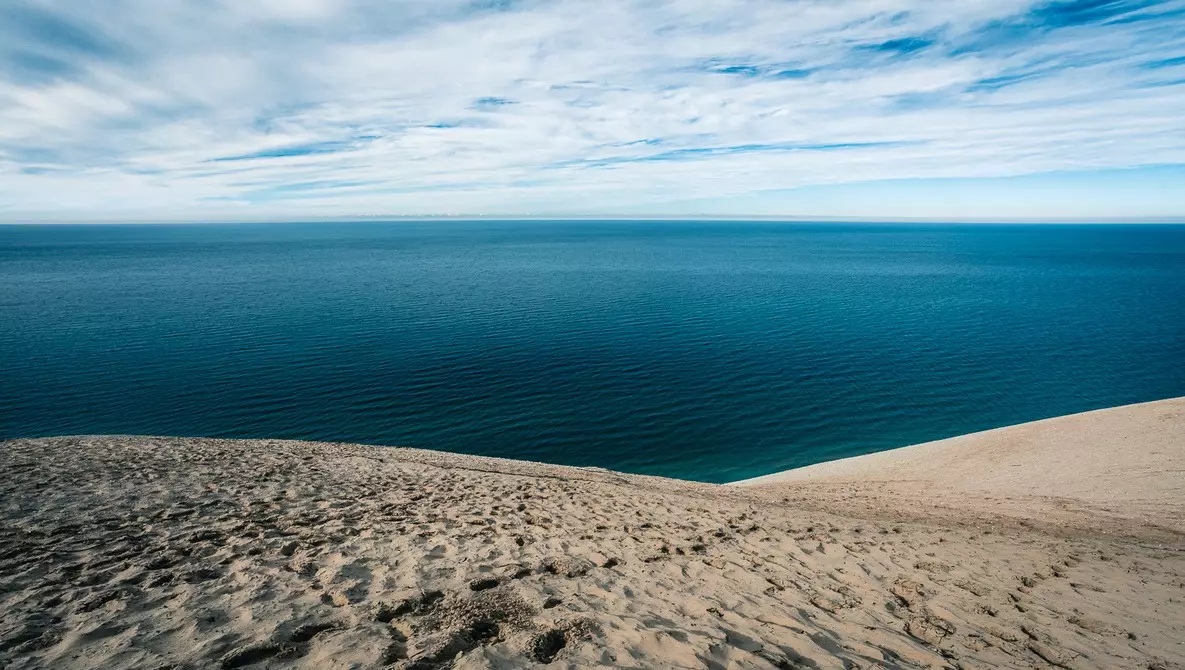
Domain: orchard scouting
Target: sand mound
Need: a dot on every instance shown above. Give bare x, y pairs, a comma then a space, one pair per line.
132, 552
1118, 470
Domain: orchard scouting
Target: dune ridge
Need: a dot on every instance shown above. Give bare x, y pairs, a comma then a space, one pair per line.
1114, 470
147, 552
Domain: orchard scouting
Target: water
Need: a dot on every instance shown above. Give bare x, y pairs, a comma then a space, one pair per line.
709, 351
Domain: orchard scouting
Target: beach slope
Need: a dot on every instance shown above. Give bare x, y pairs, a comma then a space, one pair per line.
1119, 470
141, 552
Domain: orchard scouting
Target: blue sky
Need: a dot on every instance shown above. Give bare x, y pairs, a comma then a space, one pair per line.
283, 109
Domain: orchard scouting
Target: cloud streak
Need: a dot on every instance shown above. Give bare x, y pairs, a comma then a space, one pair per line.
134, 108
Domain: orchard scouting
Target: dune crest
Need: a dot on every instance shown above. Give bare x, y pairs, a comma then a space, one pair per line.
141, 552
1117, 470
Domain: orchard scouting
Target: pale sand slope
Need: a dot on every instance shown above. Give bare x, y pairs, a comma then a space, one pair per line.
1107, 470
133, 552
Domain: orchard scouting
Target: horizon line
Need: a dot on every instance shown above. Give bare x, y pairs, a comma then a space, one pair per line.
492, 218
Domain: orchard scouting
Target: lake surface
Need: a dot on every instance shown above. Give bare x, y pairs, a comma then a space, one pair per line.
709, 351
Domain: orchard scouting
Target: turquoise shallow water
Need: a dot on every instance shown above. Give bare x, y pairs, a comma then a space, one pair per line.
710, 351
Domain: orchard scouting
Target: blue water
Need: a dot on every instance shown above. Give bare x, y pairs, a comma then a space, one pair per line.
709, 351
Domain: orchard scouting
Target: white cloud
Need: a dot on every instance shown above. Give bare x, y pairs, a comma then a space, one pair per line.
138, 108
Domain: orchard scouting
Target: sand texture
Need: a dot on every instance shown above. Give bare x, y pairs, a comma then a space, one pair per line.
1117, 470
139, 552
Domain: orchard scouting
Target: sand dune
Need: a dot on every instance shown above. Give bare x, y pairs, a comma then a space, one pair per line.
138, 552
1119, 470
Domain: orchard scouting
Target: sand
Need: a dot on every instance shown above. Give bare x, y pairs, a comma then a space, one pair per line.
141, 552
1117, 470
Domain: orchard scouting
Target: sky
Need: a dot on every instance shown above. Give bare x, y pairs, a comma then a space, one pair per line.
173, 110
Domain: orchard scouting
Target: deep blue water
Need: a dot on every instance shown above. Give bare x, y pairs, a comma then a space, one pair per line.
711, 351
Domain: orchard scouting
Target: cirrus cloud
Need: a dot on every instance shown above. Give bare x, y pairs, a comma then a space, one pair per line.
137, 108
